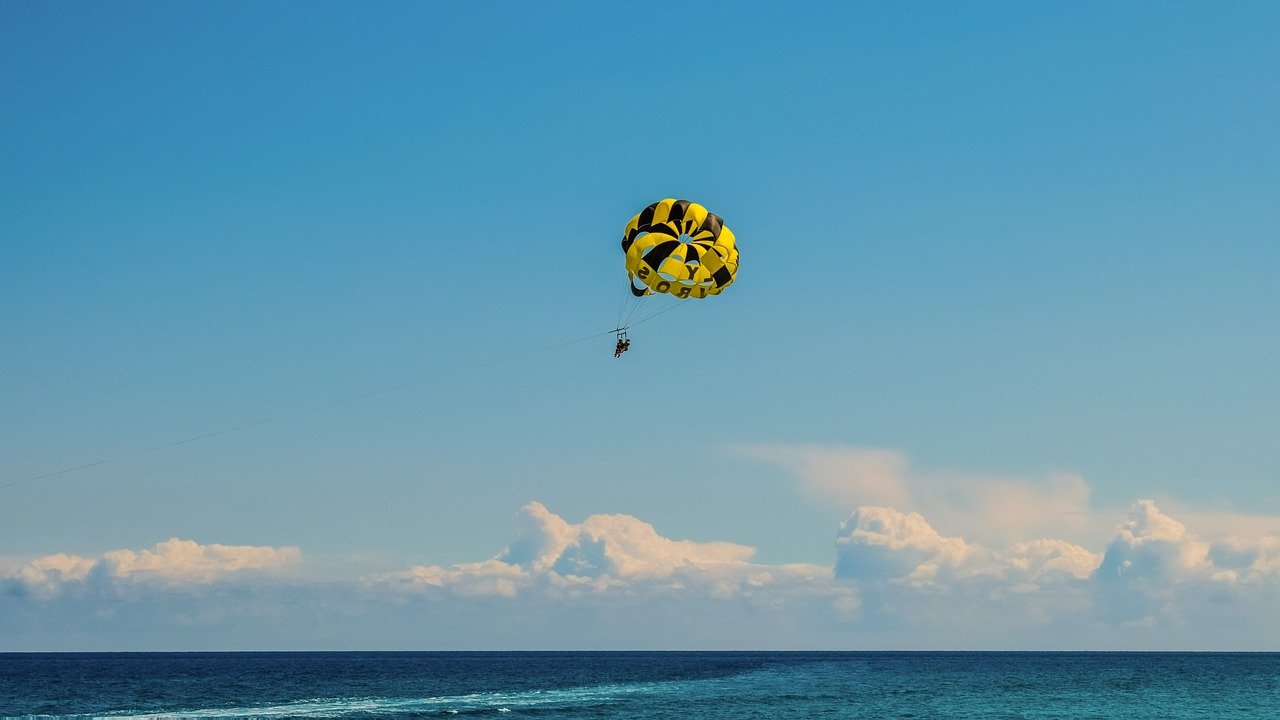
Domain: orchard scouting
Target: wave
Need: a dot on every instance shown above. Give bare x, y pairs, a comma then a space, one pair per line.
471, 704
545, 702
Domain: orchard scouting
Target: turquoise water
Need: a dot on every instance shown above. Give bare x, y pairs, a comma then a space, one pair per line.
642, 685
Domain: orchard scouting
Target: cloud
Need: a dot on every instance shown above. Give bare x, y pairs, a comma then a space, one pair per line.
1247, 559
894, 576
614, 581
189, 561
603, 553
492, 577
615, 578
542, 538
1157, 584
627, 547
1158, 571
171, 561
1154, 546
1047, 560
845, 476
618, 545
1209, 523
989, 508
45, 576
883, 543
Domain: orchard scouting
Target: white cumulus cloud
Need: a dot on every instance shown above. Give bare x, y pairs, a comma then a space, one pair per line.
1152, 545
883, 543
601, 553
1041, 560
492, 577
45, 576
189, 561
174, 561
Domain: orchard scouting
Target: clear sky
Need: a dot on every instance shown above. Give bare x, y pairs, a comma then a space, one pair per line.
999, 368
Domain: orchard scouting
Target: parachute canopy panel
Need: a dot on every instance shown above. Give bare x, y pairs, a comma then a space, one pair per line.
677, 247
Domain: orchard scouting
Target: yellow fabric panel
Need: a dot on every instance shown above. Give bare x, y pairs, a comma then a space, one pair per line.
712, 262
726, 240
640, 247
694, 217
675, 268
662, 212
648, 275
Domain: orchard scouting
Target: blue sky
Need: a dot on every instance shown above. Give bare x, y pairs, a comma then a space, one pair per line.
1009, 267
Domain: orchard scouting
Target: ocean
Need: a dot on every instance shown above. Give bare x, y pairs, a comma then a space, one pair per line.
642, 685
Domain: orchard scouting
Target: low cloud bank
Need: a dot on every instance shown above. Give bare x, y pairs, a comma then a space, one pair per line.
615, 581
613, 554
171, 562
1153, 573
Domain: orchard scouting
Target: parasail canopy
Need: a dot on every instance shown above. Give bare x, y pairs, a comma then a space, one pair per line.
678, 248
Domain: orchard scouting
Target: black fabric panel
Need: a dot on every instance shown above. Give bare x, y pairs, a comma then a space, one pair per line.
722, 277
646, 217
712, 223
678, 209
660, 252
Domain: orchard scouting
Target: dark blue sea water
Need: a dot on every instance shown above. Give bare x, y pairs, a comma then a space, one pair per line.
643, 685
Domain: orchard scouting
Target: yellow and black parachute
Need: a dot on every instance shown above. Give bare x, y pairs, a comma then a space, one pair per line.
678, 248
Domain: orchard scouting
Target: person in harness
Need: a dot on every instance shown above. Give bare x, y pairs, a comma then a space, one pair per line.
624, 344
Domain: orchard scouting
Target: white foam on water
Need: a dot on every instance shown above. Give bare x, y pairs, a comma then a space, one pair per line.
450, 704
